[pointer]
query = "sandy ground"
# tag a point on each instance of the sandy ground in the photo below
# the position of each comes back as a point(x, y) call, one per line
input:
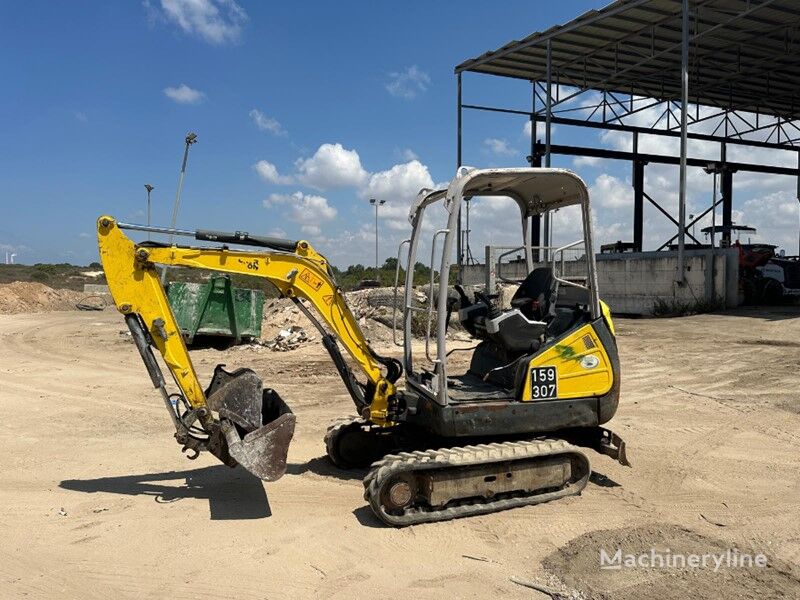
point(96, 500)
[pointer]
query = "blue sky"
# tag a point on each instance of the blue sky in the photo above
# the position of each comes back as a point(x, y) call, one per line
point(302, 110)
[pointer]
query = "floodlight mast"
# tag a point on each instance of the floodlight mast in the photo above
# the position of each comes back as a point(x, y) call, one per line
point(149, 189)
point(191, 138)
point(376, 203)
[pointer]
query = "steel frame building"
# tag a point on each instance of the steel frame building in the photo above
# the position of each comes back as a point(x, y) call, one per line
point(725, 71)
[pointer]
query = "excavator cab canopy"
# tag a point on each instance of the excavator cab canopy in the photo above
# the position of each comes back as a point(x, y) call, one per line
point(535, 191)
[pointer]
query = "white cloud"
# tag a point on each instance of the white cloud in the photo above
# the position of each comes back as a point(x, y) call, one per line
point(398, 185)
point(81, 116)
point(265, 123)
point(408, 83)
point(401, 182)
point(609, 192)
point(311, 230)
point(407, 154)
point(586, 161)
point(84, 235)
point(183, 94)
point(499, 146)
point(277, 232)
point(269, 173)
point(331, 166)
point(775, 216)
point(494, 220)
point(302, 207)
point(215, 21)
point(527, 129)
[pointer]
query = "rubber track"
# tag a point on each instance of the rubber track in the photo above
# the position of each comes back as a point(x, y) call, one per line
point(383, 471)
point(334, 429)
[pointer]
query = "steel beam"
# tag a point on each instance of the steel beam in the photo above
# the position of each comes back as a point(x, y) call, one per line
point(661, 159)
point(458, 166)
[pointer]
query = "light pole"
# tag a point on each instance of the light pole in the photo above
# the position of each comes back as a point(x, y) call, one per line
point(149, 189)
point(191, 138)
point(376, 203)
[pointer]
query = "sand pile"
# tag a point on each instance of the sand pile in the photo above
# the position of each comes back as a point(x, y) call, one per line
point(23, 296)
point(666, 576)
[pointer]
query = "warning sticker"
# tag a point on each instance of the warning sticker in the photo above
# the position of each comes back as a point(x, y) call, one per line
point(310, 279)
point(328, 299)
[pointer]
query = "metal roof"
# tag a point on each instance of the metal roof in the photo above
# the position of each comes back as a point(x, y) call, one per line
point(744, 54)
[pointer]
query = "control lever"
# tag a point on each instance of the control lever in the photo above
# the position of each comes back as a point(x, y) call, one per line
point(493, 310)
point(463, 296)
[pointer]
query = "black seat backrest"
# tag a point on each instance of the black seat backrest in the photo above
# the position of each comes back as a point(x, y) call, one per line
point(538, 283)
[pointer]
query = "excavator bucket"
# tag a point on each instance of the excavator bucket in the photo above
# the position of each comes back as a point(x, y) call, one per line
point(256, 424)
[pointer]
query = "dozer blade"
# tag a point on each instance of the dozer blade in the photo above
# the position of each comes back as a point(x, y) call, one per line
point(256, 424)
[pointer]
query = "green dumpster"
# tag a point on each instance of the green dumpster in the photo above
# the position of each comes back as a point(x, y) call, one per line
point(216, 308)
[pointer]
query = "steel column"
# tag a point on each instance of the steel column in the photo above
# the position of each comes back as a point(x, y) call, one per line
point(684, 140)
point(547, 133)
point(638, 204)
point(458, 165)
point(727, 204)
point(536, 161)
point(714, 212)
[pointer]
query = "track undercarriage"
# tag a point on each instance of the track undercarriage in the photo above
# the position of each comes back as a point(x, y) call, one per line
point(412, 479)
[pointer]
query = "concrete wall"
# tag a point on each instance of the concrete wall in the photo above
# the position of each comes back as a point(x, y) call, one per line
point(631, 283)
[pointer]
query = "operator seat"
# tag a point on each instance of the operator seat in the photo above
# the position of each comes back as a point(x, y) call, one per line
point(509, 335)
point(521, 328)
point(534, 297)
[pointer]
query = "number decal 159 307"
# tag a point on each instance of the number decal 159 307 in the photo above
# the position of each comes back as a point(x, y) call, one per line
point(544, 383)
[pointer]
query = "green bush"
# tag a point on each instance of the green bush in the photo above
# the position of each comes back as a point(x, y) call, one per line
point(678, 308)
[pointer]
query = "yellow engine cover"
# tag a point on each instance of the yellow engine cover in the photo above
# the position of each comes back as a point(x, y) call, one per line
point(583, 369)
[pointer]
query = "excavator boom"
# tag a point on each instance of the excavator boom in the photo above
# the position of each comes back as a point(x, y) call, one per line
point(235, 418)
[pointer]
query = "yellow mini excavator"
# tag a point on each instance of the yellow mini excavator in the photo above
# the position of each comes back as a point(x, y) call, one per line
point(543, 376)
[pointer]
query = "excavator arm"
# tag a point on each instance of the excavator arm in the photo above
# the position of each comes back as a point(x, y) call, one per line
point(239, 421)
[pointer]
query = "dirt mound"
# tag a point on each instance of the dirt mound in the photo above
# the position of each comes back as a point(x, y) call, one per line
point(23, 296)
point(578, 565)
point(371, 308)
point(375, 321)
